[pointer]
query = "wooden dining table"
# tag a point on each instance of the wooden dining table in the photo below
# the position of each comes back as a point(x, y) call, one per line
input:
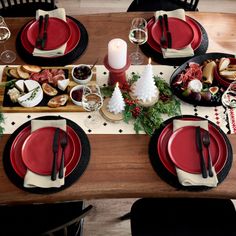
point(119, 166)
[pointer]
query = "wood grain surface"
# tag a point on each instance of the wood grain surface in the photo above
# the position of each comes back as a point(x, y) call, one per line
point(119, 165)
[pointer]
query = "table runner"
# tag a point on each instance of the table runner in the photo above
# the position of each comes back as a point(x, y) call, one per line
point(224, 118)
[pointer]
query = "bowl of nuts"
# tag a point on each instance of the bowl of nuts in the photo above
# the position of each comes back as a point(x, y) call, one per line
point(82, 74)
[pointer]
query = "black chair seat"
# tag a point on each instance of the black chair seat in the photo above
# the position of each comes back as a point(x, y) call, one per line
point(184, 217)
point(36, 219)
point(156, 5)
point(26, 9)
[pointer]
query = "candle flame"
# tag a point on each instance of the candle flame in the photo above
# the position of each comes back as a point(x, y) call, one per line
point(149, 60)
point(117, 85)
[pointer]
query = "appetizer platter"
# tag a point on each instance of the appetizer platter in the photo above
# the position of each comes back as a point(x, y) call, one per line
point(31, 88)
point(199, 80)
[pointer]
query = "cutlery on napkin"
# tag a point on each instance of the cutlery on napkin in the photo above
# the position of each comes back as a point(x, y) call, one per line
point(189, 179)
point(58, 13)
point(32, 179)
point(171, 52)
point(168, 33)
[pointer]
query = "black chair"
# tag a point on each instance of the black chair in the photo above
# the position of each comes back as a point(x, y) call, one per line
point(182, 217)
point(166, 5)
point(24, 8)
point(43, 219)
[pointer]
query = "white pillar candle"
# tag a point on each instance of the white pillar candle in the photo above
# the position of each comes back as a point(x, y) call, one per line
point(117, 53)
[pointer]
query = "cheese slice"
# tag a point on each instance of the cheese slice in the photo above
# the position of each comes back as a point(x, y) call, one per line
point(20, 85)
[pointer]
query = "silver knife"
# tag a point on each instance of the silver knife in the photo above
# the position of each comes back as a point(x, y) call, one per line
point(199, 147)
point(44, 39)
point(55, 147)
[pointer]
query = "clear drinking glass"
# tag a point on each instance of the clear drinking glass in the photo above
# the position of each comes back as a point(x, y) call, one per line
point(7, 56)
point(228, 98)
point(92, 101)
point(138, 35)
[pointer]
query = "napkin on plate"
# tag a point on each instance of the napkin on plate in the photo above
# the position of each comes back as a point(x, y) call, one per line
point(32, 179)
point(170, 52)
point(58, 13)
point(188, 179)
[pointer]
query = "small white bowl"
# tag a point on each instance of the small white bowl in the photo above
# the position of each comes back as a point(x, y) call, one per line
point(73, 96)
point(80, 78)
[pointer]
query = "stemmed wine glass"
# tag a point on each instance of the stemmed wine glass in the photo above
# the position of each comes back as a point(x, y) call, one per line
point(7, 56)
point(138, 35)
point(92, 101)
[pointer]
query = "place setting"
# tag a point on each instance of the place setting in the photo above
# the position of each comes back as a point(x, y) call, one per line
point(46, 154)
point(191, 153)
point(174, 37)
point(52, 38)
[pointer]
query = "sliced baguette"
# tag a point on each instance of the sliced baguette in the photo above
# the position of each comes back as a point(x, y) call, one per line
point(22, 73)
point(13, 73)
point(227, 74)
point(31, 68)
point(57, 101)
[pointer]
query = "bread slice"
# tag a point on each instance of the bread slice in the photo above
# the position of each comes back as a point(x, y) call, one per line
point(13, 73)
point(31, 68)
point(22, 73)
point(227, 74)
point(57, 101)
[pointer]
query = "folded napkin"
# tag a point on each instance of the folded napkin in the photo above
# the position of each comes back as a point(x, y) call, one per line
point(170, 52)
point(32, 179)
point(58, 13)
point(188, 179)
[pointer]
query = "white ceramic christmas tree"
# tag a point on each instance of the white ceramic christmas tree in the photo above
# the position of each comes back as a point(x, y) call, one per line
point(145, 88)
point(116, 104)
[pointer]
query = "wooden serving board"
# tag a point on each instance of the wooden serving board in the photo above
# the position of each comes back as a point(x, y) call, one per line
point(8, 106)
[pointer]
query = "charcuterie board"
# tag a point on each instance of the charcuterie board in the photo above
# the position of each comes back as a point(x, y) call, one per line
point(8, 106)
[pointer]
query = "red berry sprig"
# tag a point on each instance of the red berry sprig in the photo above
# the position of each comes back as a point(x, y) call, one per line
point(136, 112)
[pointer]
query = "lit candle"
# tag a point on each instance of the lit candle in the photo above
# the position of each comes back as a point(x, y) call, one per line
point(117, 53)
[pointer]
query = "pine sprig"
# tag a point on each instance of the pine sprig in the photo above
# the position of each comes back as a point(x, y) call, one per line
point(148, 119)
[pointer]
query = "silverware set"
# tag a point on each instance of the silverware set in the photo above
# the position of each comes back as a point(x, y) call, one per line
point(55, 147)
point(42, 33)
point(205, 140)
point(166, 39)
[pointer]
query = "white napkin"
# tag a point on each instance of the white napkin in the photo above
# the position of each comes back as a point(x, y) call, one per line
point(188, 179)
point(58, 13)
point(170, 52)
point(32, 179)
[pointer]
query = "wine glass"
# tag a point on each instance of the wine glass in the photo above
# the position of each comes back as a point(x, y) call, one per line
point(138, 35)
point(92, 101)
point(228, 98)
point(7, 56)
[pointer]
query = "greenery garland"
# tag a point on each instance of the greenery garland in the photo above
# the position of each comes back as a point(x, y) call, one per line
point(147, 118)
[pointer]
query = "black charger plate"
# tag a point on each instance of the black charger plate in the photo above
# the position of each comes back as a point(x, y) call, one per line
point(70, 179)
point(171, 179)
point(55, 61)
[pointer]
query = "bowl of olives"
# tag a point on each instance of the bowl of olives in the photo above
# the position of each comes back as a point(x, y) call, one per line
point(82, 74)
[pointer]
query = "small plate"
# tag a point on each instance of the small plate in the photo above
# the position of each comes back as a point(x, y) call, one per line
point(182, 33)
point(58, 33)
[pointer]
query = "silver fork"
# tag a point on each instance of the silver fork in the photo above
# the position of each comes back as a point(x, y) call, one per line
point(206, 143)
point(63, 143)
point(163, 38)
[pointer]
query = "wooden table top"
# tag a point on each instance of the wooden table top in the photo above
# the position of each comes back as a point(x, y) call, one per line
point(119, 165)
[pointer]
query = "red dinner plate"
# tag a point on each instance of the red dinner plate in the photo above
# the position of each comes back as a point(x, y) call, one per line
point(181, 32)
point(218, 143)
point(58, 33)
point(16, 148)
point(196, 31)
point(71, 44)
point(183, 152)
